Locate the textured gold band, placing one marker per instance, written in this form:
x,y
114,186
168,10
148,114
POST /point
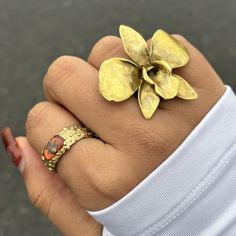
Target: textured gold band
x,y
62,142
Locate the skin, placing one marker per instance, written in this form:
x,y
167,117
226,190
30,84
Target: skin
x,y
96,173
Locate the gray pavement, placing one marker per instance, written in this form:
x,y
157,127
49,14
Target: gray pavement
x,y
34,33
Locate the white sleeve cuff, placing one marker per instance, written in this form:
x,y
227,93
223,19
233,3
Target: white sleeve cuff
x,y
191,190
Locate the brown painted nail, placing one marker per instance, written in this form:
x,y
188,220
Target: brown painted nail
x,y
11,146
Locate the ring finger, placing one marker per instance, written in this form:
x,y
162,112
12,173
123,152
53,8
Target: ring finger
x,y
83,166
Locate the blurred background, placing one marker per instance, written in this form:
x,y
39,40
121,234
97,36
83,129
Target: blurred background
x,y
34,33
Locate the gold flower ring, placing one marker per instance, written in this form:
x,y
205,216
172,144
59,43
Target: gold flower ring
x,y
62,142
149,72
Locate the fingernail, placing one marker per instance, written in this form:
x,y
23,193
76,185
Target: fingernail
x,y
12,148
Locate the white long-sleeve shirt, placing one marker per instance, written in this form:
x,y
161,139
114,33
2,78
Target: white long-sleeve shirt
x,y
193,192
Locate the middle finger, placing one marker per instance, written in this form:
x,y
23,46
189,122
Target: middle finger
x,y
73,83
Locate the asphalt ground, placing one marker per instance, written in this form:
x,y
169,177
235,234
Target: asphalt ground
x,y
34,33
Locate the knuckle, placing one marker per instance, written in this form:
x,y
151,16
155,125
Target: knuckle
x,y
36,196
39,198
62,65
106,184
36,115
112,183
104,46
107,39
180,38
60,70
115,185
99,183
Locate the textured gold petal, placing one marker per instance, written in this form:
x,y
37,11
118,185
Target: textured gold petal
x,y
118,79
146,77
165,47
185,90
166,85
148,100
135,45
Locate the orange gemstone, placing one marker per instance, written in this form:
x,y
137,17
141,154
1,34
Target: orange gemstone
x,y
53,146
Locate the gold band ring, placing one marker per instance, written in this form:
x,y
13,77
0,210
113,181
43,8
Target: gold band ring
x,y
62,142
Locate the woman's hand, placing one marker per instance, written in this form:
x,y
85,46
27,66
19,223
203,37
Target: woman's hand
x,y
96,173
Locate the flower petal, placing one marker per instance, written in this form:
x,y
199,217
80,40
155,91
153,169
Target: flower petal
x,y
135,45
118,79
148,100
146,77
165,47
185,90
166,85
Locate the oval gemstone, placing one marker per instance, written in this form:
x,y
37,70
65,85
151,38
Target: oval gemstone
x,y
53,146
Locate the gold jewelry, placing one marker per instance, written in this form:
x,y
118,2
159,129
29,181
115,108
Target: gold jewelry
x,y
62,142
149,72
